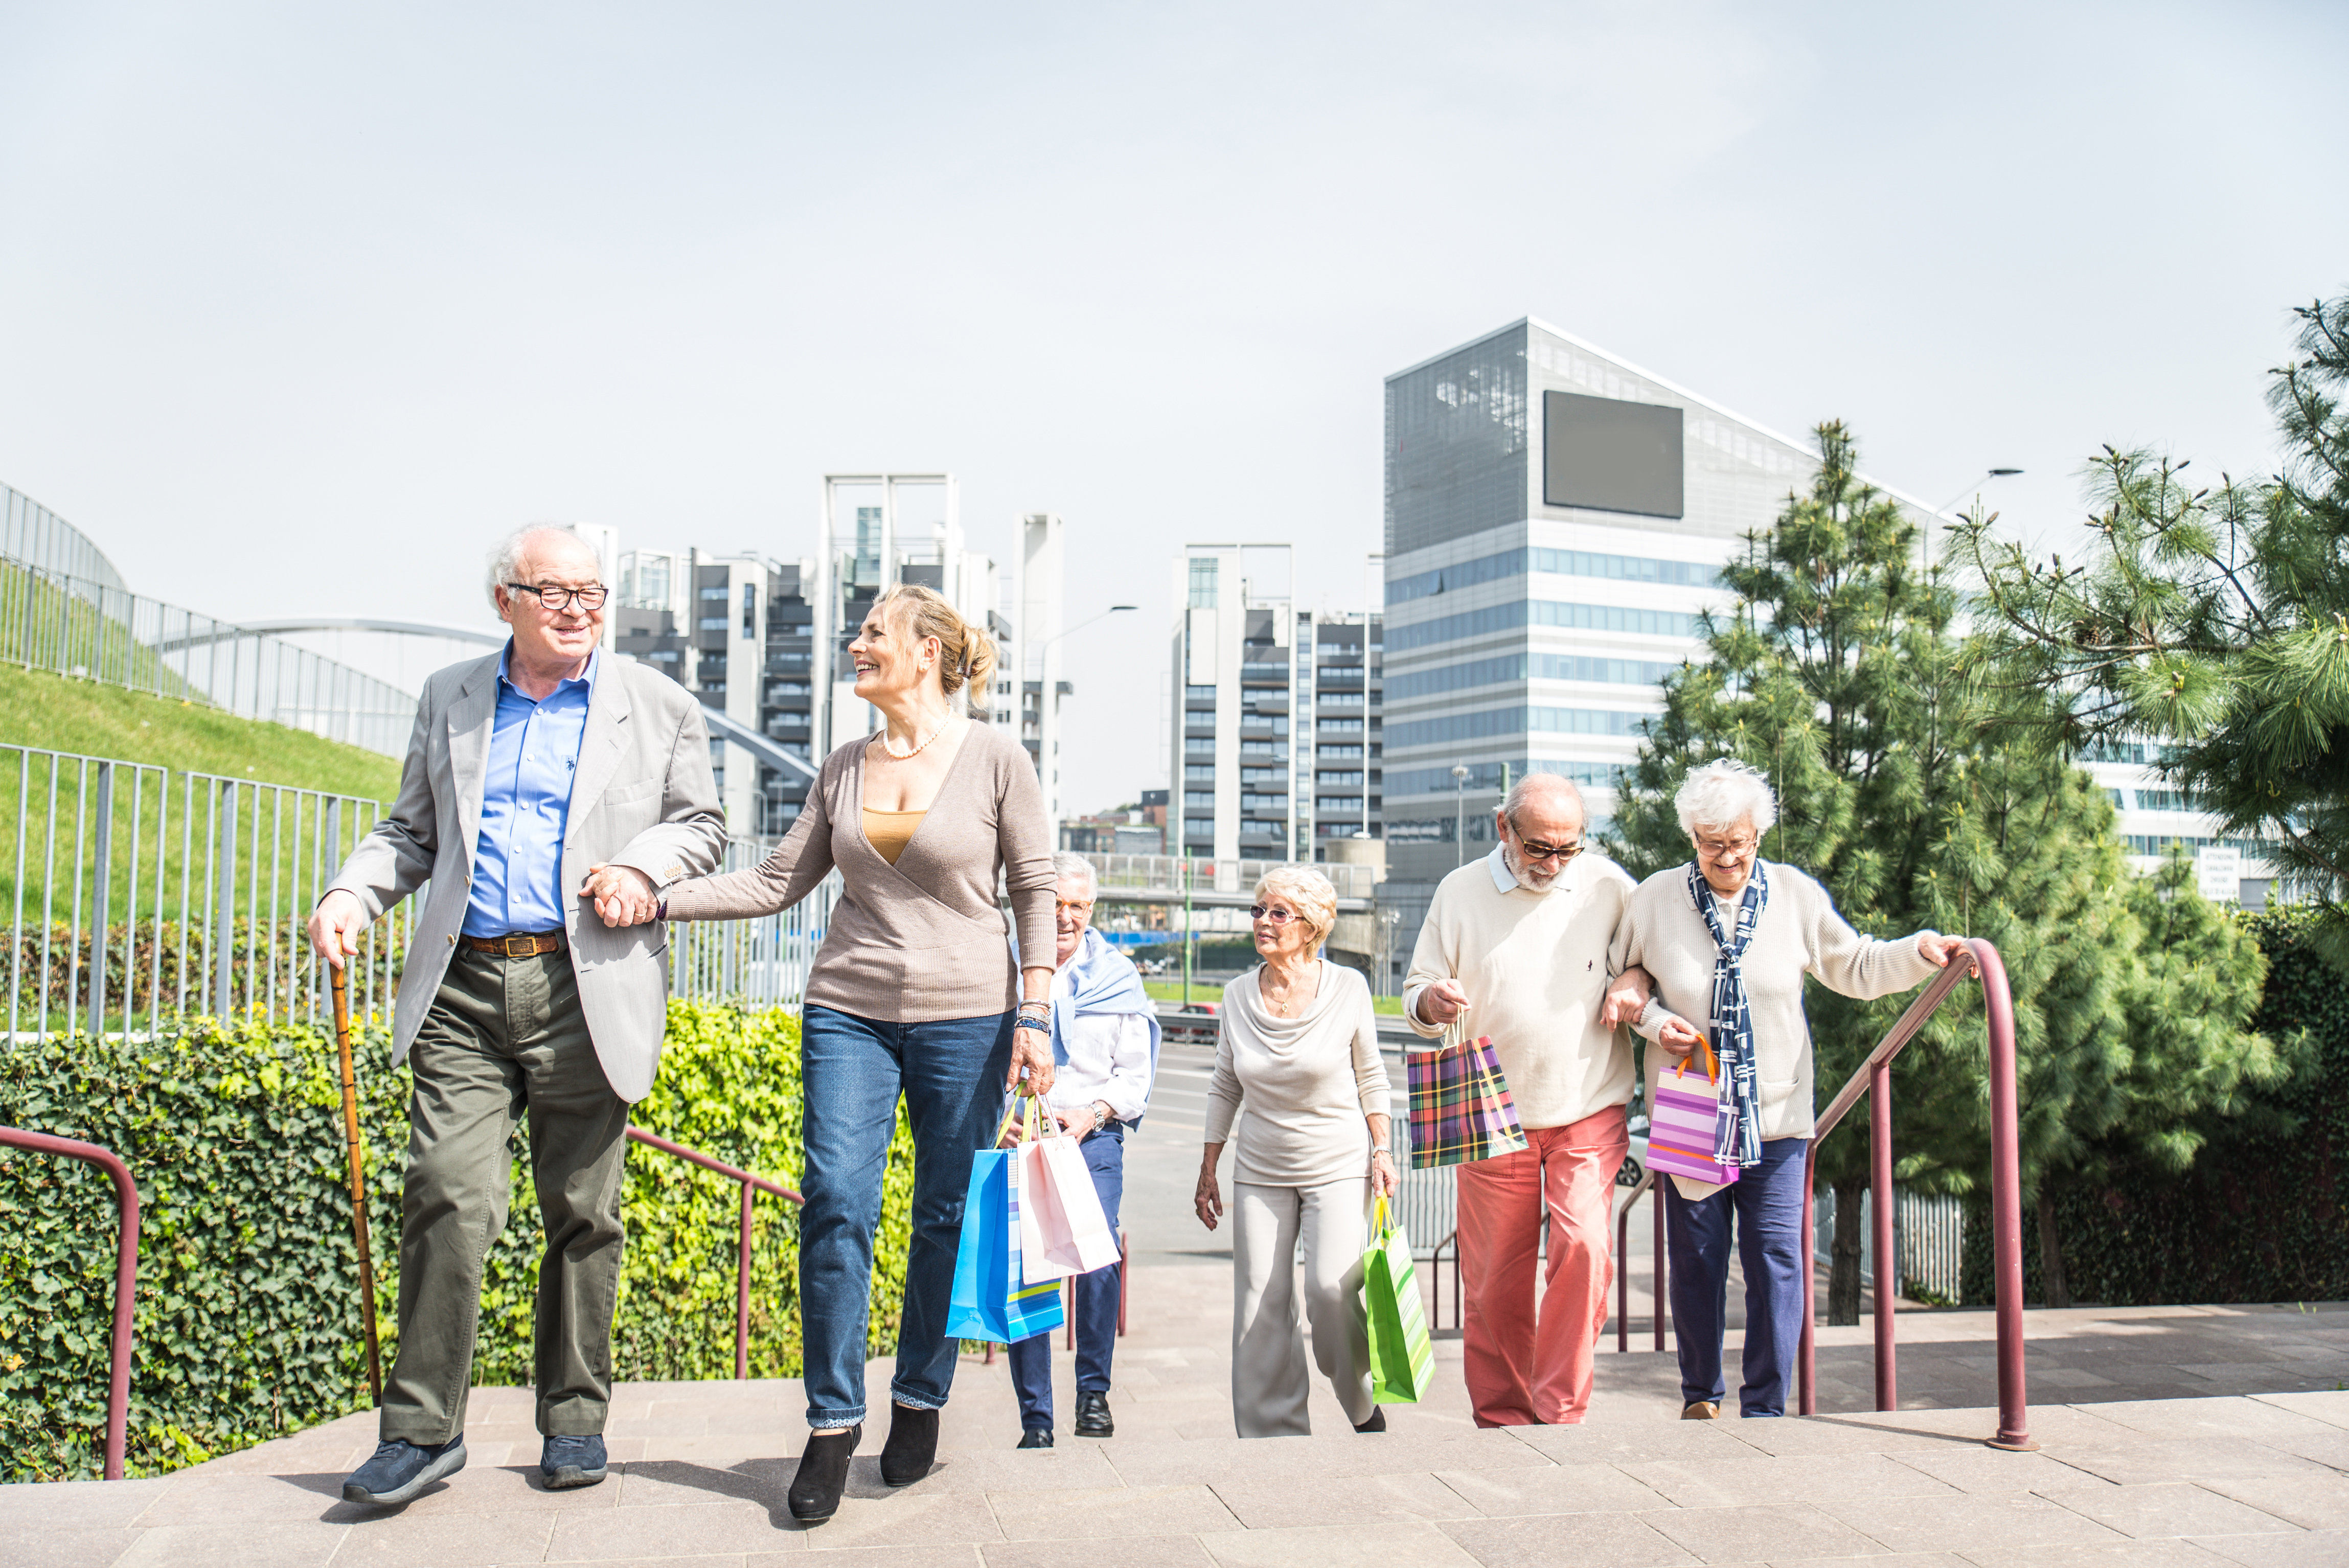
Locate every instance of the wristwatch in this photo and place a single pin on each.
(1102, 1115)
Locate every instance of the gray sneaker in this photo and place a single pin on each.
(400, 1469)
(566, 1462)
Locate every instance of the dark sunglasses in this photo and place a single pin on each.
(1273, 912)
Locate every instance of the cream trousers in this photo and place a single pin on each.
(1270, 1380)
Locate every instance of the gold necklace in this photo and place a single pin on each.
(896, 756)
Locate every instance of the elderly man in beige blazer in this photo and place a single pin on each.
(549, 794)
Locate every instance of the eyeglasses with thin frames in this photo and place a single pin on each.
(1273, 912)
(1727, 848)
(557, 598)
(1083, 908)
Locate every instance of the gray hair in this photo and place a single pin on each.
(1066, 865)
(505, 560)
(1723, 794)
(1315, 899)
(1522, 793)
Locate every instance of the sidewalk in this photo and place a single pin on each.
(2244, 1474)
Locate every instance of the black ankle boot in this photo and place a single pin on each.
(913, 1445)
(816, 1491)
(1377, 1423)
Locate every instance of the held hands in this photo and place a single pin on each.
(336, 924)
(624, 896)
(1939, 949)
(1441, 1002)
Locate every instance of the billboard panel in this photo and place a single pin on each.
(1611, 456)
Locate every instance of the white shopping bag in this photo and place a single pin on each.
(1063, 1230)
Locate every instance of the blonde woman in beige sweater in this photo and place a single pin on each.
(1729, 938)
(915, 992)
(1298, 1066)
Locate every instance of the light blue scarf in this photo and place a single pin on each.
(1737, 1130)
(1101, 980)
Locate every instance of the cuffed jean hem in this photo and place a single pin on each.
(824, 1420)
(918, 1401)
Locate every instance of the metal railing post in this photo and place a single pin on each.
(224, 904)
(1806, 1350)
(126, 1275)
(2006, 1199)
(1657, 1199)
(103, 846)
(742, 1295)
(1887, 1262)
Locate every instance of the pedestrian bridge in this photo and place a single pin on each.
(1211, 884)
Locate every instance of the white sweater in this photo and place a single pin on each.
(1800, 933)
(1310, 1084)
(1535, 966)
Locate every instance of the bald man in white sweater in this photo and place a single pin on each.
(1514, 947)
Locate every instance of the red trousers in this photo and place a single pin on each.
(1523, 1372)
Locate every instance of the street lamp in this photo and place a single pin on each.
(1459, 815)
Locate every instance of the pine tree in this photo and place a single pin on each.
(1838, 672)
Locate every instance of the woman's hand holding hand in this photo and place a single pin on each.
(1032, 1052)
(1679, 1037)
(1940, 949)
(1209, 1198)
(624, 896)
(1384, 1182)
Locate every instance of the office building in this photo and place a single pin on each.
(1275, 742)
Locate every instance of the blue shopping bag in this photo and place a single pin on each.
(989, 1302)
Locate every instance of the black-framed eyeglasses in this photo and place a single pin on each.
(1532, 850)
(557, 598)
(1273, 912)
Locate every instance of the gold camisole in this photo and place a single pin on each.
(889, 831)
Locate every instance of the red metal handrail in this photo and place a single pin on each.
(1874, 1079)
(126, 1274)
(742, 1261)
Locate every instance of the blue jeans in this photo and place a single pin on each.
(852, 1070)
(1031, 1358)
(1766, 1202)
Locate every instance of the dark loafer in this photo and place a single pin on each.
(400, 1469)
(1036, 1438)
(913, 1445)
(1092, 1415)
(1377, 1423)
(566, 1462)
(815, 1490)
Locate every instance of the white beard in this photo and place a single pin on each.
(1531, 881)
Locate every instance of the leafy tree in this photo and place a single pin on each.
(1921, 799)
(2214, 619)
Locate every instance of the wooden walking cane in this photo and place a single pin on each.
(358, 1176)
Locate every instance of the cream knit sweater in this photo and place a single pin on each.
(1535, 966)
(1800, 933)
(1302, 1089)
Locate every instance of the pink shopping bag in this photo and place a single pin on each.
(1681, 1123)
(1063, 1228)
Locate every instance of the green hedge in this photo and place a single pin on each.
(248, 1321)
(2261, 1215)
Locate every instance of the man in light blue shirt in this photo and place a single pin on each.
(526, 805)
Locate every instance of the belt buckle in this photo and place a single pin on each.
(521, 947)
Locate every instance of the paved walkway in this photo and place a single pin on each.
(2254, 1470)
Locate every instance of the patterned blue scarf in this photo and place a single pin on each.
(1737, 1131)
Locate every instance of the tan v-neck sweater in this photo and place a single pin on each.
(923, 940)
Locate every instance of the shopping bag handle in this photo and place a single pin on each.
(1011, 1118)
(1711, 1063)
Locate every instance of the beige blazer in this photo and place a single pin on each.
(643, 796)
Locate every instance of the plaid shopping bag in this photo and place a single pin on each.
(1461, 1110)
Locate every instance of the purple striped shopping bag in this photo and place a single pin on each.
(1682, 1122)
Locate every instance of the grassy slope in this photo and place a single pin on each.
(60, 715)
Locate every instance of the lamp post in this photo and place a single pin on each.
(1459, 815)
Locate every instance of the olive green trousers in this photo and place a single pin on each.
(504, 1040)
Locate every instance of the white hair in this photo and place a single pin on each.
(1307, 891)
(505, 560)
(1525, 788)
(1723, 794)
(1066, 865)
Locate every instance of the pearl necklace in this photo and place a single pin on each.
(896, 756)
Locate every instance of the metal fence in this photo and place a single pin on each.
(763, 961)
(64, 608)
(1115, 873)
(1929, 1237)
(136, 892)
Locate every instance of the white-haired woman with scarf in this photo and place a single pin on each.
(1104, 1051)
(1728, 938)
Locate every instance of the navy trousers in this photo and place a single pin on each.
(1031, 1358)
(1766, 1202)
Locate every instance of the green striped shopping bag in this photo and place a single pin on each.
(1403, 1358)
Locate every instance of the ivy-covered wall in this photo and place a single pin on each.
(2261, 1215)
(248, 1321)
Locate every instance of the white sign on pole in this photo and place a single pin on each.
(2219, 874)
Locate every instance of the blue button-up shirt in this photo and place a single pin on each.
(526, 805)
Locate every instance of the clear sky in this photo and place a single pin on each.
(301, 304)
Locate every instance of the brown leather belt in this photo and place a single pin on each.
(517, 946)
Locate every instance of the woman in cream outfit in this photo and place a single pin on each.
(1298, 1043)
